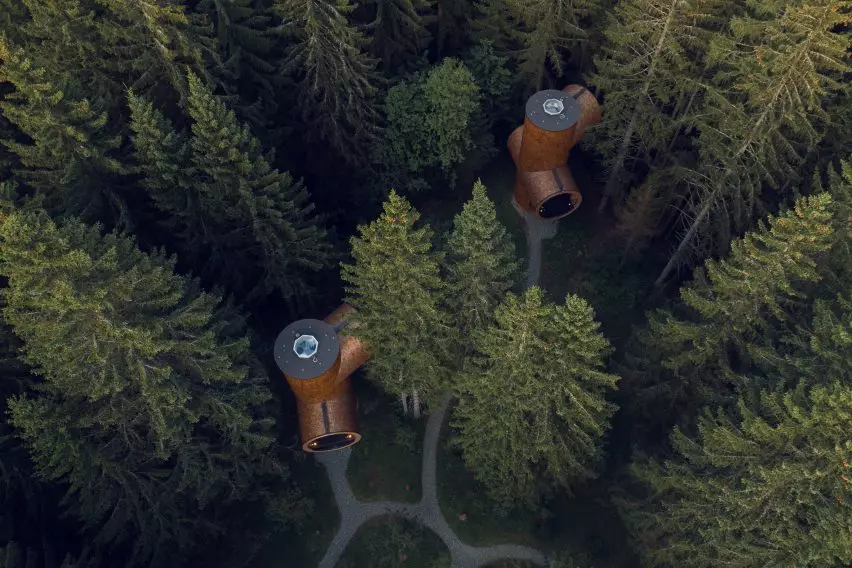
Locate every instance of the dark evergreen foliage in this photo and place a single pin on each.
(251, 226)
(157, 232)
(151, 405)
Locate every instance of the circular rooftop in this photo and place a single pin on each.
(553, 110)
(306, 348)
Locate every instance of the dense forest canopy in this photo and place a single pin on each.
(179, 180)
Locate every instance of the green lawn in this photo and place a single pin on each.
(385, 465)
(391, 542)
(304, 547)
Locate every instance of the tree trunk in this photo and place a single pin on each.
(793, 67)
(687, 239)
(415, 404)
(618, 165)
(404, 400)
(708, 203)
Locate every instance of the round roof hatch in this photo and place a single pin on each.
(306, 348)
(553, 110)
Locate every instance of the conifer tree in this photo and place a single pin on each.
(494, 21)
(151, 43)
(151, 406)
(765, 482)
(766, 487)
(764, 112)
(20, 498)
(395, 285)
(651, 59)
(481, 264)
(733, 308)
(247, 61)
(533, 403)
(12, 14)
(490, 71)
(452, 19)
(641, 215)
(336, 81)
(112, 45)
(249, 225)
(70, 160)
(398, 30)
(13, 555)
(550, 27)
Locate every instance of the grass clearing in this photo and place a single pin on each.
(385, 465)
(392, 542)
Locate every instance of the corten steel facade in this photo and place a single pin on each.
(317, 363)
(555, 121)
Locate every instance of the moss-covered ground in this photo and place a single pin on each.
(391, 542)
(385, 465)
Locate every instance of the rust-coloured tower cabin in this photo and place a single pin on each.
(317, 363)
(554, 123)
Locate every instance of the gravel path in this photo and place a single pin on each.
(354, 513)
(536, 230)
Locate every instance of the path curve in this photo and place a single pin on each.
(354, 513)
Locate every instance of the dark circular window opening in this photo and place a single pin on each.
(557, 206)
(331, 442)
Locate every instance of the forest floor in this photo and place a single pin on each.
(427, 512)
(386, 466)
(383, 474)
(390, 541)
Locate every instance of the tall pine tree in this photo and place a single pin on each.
(151, 403)
(532, 404)
(550, 28)
(395, 285)
(250, 226)
(248, 58)
(768, 486)
(732, 310)
(336, 82)
(649, 68)
(110, 45)
(764, 113)
(481, 264)
(494, 21)
(398, 31)
(69, 158)
(452, 19)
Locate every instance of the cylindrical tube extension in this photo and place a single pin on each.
(331, 424)
(551, 194)
(549, 125)
(317, 363)
(353, 351)
(590, 110)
